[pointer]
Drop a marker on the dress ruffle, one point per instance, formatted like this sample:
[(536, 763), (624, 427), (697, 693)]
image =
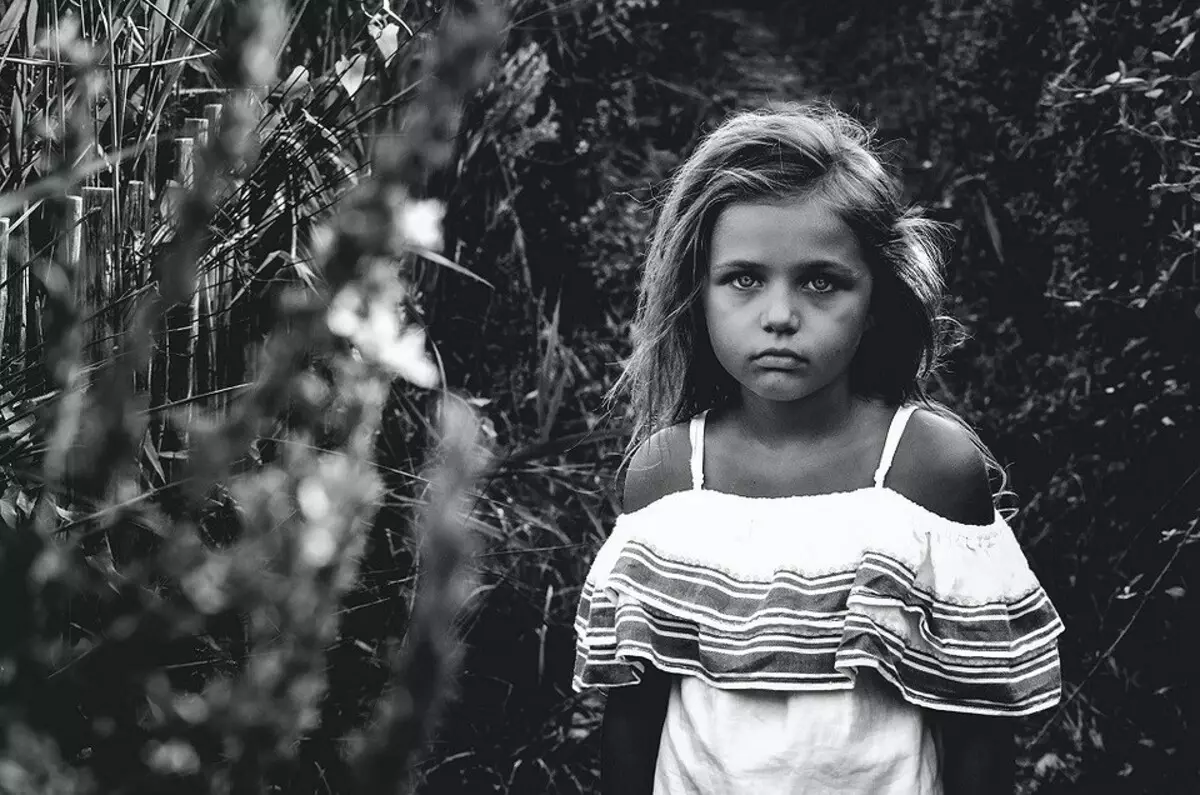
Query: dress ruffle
[(949, 614)]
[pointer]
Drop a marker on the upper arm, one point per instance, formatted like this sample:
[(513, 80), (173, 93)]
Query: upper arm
[(938, 466), (658, 467)]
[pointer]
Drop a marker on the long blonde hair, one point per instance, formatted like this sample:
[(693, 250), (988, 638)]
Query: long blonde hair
[(788, 152)]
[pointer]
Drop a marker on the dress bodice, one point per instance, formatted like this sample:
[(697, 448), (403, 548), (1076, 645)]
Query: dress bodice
[(802, 620)]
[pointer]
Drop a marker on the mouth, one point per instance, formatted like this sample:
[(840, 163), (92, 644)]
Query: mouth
[(779, 359)]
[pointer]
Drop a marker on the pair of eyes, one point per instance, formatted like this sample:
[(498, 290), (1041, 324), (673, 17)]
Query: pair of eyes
[(747, 281)]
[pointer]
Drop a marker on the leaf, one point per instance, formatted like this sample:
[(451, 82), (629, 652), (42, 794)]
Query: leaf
[(16, 141), (9, 26), (294, 85), (993, 229), (8, 513), (1048, 762), (31, 21), (351, 72), (438, 259), (387, 39), (1160, 57), (1187, 42), (1176, 592), (152, 458)]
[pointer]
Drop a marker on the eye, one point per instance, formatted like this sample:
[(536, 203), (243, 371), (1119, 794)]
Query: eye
[(820, 284), (744, 281)]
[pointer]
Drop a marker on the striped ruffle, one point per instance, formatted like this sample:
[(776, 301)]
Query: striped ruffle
[(795, 631)]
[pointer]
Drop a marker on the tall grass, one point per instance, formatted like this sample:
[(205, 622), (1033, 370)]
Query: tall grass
[(516, 213), (173, 633)]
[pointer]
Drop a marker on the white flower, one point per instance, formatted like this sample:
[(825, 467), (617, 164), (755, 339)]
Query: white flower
[(318, 545), (382, 326), (192, 708), (343, 317), (314, 502), (173, 756), (421, 223), (205, 585), (379, 331), (405, 356)]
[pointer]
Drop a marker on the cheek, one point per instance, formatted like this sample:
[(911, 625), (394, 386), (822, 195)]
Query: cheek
[(851, 322), (711, 317)]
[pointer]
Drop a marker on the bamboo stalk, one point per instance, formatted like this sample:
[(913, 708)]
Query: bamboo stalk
[(201, 334), (97, 286), (197, 129), (19, 301), (74, 230), (135, 219), (4, 280), (215, 284), (150, 167), (212, 114), (200, 337), (185, 155), (183, 324), (134, 222), (4, 226)]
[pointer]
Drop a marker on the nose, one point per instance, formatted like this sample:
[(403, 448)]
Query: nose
[(779, 315)]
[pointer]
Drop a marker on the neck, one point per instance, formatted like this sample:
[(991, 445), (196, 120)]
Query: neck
[(812, 418)]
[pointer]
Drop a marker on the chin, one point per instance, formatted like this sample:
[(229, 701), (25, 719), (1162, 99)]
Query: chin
[(781, 393), (783, 387)]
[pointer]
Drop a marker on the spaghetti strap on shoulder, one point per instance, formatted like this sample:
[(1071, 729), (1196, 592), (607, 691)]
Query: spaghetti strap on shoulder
[(748, 593), (696, 433), (895, 431)]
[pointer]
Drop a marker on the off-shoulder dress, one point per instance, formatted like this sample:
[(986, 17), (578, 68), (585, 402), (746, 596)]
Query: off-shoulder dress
[(811, 636)]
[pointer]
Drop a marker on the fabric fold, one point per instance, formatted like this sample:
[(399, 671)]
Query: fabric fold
[(949, 614)]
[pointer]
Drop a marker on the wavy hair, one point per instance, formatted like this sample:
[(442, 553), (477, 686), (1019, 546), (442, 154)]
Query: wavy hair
[(778, 154)]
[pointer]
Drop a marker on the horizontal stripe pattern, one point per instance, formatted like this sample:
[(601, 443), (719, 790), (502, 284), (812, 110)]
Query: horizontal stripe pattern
[(797, 632)]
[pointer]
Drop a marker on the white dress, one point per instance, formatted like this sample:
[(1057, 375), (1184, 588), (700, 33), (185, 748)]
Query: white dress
[(810, 636)]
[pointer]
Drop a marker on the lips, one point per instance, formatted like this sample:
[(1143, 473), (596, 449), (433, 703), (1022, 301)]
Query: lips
[(779, 358)]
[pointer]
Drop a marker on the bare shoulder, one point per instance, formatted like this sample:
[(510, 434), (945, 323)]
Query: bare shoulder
[(938, 466), (658, 467)]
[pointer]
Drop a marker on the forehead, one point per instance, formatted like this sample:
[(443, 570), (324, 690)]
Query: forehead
[(782, 233)]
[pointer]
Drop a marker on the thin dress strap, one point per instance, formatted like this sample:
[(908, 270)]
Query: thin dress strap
[(696, 432), (895, 431)]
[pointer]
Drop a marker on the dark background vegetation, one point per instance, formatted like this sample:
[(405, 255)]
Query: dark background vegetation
[(1060, 139)]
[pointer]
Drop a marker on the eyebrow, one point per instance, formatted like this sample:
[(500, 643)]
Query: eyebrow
[(803, 265)]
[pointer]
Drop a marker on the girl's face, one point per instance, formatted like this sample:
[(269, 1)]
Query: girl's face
[(787, 296)]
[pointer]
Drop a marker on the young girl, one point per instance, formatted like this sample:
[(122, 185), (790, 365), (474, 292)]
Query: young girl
[(810, 590)]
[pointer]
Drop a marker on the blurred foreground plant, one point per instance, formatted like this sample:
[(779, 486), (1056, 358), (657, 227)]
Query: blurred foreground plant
[(114, 713)]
